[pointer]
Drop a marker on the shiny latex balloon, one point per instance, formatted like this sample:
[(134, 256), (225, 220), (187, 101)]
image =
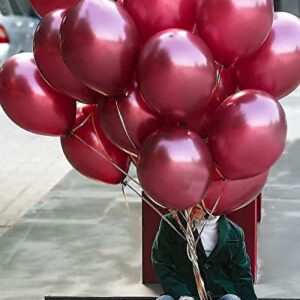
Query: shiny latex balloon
[(30, 102), (49, 60), (90, 152), (226, 86), (234, 29), (127, 122), (233, 194), (247, 134), (274, 68), (176, 74), (42, 7), (175, 168), (100, 45), (157, 15)]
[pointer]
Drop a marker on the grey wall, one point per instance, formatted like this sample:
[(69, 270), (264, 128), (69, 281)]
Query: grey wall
[(292, 6)]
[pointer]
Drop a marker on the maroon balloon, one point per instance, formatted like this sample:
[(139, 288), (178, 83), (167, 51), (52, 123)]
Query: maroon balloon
[(176, 73), (49, 60), (157, 15), (233, 28), (274, 68), (89, 151), (175, 168), (226, 86), (233, 194), (30, 102), (100, 45), (248, 134), (128, 121), (42, 7)]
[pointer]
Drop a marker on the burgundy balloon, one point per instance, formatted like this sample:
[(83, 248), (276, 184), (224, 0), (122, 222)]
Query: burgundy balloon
[(100, 45), (233, 194), (247, 134), (89, 151), (49, 60), (157, 15), (30, 102), (42, 7), (176, 74), (127, 122), (226, 86), (234, 29), (274, 68), (175, 168)]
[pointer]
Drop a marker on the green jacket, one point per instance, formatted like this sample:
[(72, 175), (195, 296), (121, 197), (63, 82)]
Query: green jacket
[(225, 271)]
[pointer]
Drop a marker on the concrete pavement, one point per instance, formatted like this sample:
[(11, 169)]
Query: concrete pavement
[(30, 166)]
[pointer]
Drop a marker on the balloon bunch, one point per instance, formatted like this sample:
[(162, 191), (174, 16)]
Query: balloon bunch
[(187, 90)]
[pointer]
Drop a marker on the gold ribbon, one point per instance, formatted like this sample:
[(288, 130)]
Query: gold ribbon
[(125, 129)]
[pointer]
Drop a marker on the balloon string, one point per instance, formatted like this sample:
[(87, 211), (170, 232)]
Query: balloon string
[(191, 248), (192, 243), (105, 158), (125, 197), (191, 252), (130, 177), (91, 116), (125, 128), (209, 213), (108, 158), (134, 159), (199, 281), (82, 123), (212, 211), (219, 78), (153, 207), (220, 174), (245, 204), (99, 140)]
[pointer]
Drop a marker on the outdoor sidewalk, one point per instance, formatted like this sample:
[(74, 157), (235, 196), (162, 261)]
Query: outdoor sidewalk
[(30, 166)]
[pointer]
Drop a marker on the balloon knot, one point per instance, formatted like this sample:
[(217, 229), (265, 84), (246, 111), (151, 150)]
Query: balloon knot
[(69, 134)]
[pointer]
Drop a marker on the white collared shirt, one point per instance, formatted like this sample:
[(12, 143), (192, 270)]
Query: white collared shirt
[(209, 235)]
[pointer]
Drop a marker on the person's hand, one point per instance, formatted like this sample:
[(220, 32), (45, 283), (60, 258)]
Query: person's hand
[(186, 298)]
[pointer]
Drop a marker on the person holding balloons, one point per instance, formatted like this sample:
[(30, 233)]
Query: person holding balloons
[(222, 257)]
